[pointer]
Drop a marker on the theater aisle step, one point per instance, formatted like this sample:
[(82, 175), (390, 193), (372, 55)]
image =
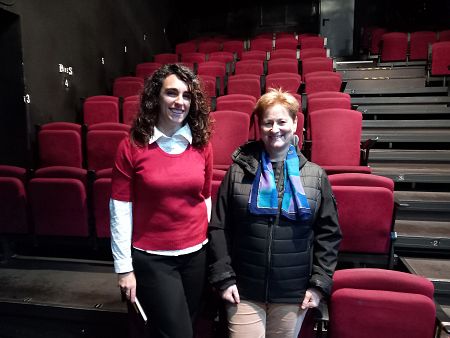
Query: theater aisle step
[(409, 155), (414, 172), (438, 272), (60, 298), (426, 235), (382, 72)]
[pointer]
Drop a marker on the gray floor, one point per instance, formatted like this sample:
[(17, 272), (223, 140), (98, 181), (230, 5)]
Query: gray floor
[(64, 298), (67, 283)]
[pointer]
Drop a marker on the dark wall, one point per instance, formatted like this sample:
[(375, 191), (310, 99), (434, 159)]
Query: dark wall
[(13, 115), (242, 19), (404, 15), (79, 35)]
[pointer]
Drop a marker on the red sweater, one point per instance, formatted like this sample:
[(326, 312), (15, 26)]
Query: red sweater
[(168, 193)]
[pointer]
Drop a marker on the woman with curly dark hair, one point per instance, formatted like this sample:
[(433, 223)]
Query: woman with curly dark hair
[(160, 203)]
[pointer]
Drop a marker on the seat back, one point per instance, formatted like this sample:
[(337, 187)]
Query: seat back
[(254, 55), (312, 42), (322, 82), (127, 86), (394, 46), (249, 67), (263, 44), (186, 47), (208, 46), (209, 85), (419, 44), (375, 39), (60, 143), (58, 200), (444, 35), (234, 97), (13, 200), (194, 57), (365, 218), (231, 130), (233, 46), (282, 66), (96, 111), (356, 179), (221, 56), (249, 84), (440, 58), (316, 64), (215, 69), (328, 102), (335, 136), (165, 58), (381, 303), (101, 195), (286, 43), (146, 69), (283, 54), (102, 147), (287, 81), (130, 109), (312, 52)]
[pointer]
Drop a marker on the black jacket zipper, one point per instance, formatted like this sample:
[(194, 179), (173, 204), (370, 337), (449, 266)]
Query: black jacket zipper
[(271, 229)]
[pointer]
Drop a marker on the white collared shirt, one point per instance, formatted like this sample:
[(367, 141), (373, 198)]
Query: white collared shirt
[(175, 144), (121, 212)]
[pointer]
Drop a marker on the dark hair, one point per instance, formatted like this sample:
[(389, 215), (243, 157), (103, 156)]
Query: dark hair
[(198, 117)]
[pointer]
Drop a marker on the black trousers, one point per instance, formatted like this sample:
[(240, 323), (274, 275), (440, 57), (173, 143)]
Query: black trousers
[(170, 290)]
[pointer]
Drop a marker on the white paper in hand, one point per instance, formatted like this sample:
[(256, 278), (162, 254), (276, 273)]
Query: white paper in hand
[(140, 310)]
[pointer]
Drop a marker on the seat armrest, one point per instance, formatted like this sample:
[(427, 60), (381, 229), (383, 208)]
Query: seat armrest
[(442, 319), (365, 149)]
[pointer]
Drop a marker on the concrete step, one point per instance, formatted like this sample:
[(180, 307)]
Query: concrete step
[(408, 156), (414, 172)]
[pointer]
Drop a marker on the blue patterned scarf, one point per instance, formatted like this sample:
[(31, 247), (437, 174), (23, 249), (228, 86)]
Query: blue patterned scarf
[(264, 196)]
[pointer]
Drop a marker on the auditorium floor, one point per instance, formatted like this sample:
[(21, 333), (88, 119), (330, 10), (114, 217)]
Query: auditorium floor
[(60, 298)]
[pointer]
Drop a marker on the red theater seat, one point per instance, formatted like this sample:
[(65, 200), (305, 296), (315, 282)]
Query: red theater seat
[(381, 303)]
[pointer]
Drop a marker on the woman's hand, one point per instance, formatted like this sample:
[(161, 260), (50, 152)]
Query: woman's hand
[(312, 299), (231, 294), (127, 285)]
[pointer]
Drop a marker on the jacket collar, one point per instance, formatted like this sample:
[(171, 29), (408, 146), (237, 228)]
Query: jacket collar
[(248, 156)]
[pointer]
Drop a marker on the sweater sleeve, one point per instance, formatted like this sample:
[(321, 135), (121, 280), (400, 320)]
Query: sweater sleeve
[(327, 237), (221, 273), (122, 173)]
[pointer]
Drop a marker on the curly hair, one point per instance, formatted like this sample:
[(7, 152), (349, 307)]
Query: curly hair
[(198, 117)]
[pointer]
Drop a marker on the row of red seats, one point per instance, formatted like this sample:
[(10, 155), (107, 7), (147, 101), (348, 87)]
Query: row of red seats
[(107, 108), (372, 36), (395, 47), (258, 43), (93, 147), (57, 203), (254, 64), (54, 201), (104, 108), (189, 58), (249, 77), (71, 144), (64, 201), (433, 47), (62, 143), (332, 139)]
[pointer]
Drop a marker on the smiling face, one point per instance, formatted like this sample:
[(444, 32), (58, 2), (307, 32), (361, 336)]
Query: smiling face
[(277, 130), (175, 101)]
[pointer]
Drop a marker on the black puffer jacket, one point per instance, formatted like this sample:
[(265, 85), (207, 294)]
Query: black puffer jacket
[(272, 259)]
